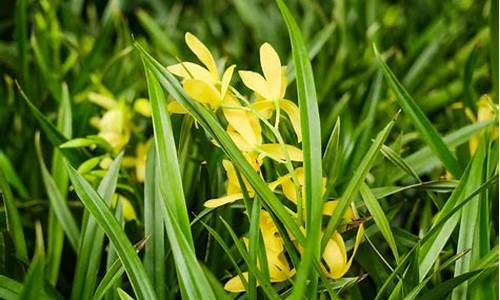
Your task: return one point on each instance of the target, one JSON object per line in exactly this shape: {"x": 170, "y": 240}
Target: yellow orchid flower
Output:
{"x": 202, "y": 83}
{"x": 143, "y": 107}
{"x": 139, "y": 161}
{"x": 255, "y": 159}
{"x": 115, "y": 125}
{"x": 245, "y": 131}
{"x": 485, "y": 112}
{"x": 278, "y": 266}
{"x": 270, "y": 88}
{"x": 233, "y": 189}
{"x": 335, "y": 263}
{"x": 128, "y": 210}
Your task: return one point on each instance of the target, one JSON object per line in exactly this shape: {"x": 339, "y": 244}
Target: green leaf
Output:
{"x": 9, "y": 288}
{"x": 12, "y": 177}
{"x": 101, "y": 212}
{"x": 113, "y": 274}
{"x": 55, "y": 233}
{"x": 420, "y": 120}
{"x": 154, "y": 257}
{"x": 123, "y": 295}
{"x": 469, "y": 220}
{"x": 431, "y": 250}
{"x": 227, "y": 251}
{"x": 57, "y": 201}
{"x": 34, "y": 281}
{"x": 55, "y": 137}
{"x": 431, "y": 233}
{"x": 311, "y": 147}
{"x": 443, "y": 289}
{"x": 356, "y": 180}
{"x": 14, "y": 225}
{"x": 90, "y": 248}
{"x": 21, "y": 36}
{"x": 189, "y": 272}
{"x": 415, "y": 292}
{"x": 424, "y": 160}
{"x": 380, "y": 218}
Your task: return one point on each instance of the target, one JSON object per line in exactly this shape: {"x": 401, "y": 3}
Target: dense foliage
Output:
{"x": 249, "y": 149}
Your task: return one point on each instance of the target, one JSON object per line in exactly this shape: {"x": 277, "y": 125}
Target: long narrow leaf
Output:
{"x": 14, "y": 225}
{"x": 355, "y": 182}
{"x": 420, "y": 120}
{"x": 101, "y": 212}
{"x": 311, "y": 147}
{"x": 57, "y": 201}
{"x": 189, "y": 272}
{"x": 90, "y": 248}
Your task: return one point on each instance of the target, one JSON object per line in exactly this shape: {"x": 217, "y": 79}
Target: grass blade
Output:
{"x": 90, "y": 248}
{"x": 379, "y": 216}
{"x": 14, "y": 225}
{"x": 311, "y": 147}
{"x": 190, "y": 274}
{"x": 154, "y": 257}
{"x": 9, "y": 288}
{"x": 420, "y": 120}
{"x": 55, "y": 137}
{"x": 34, "y": 280}
{"x": 104, "y": 217}
{"x": 57, "y": 201}
{"x": 353, "y": 186}
{"x": 12, "y": 177}
{"x": 469, "y": 220}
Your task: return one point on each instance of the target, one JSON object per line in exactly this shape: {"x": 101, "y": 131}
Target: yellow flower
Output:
{"x": 270, "y": 88}
{"x": 128, "y": 210}
{"x": 485, "y": 112}
{"x": 335, "y": 262}
{"x": 202, "y": 83}
{"x": 233, "y": 189}
{"x": 233, "y": 192}
{"x": 272, "y": 85}
{"x": 139, "y": 161}
{"x": 143, "y": 107}
{"x": 279, "y": 268}
{"x": 115, "y": 125}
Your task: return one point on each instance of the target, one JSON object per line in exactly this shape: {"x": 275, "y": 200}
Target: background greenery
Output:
{"x": 445, "y": 53}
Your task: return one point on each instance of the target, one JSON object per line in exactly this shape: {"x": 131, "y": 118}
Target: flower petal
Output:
{"x": 275, "y": 152}
{"x": 201, "y": 51}
{"x": 293, "y": 113}
{"x": 256, "y": 83}
{"x": 175, "y": 108}
{"x": 233, "y": 185}
{"x": 238, "y": 140}
{"x": 284, "y": 82}
{"x": 335, "y": 256}
{"x": 271, "y": 67}
{"x": 191, "y": 70}
{"x": 264, "y": 107}
{"x": 235, "y": 285}
{"x": 212, "y": 203}
{"x": 245, "y": 123}
{"x": 143, "y": 107}
{"x": 226, "y": 80}
{"x": 329, "y": 208}
{"x": 202, "y": 92}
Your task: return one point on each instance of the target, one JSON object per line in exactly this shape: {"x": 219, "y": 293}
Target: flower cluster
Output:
{"x": 245, "y": 119}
